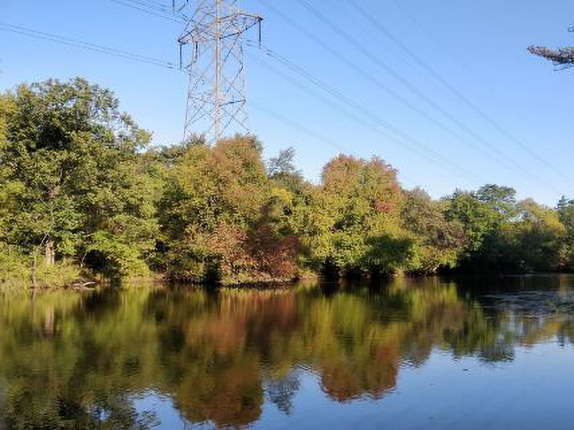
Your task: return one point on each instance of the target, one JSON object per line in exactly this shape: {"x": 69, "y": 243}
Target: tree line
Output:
{"x": 83, "y": 195}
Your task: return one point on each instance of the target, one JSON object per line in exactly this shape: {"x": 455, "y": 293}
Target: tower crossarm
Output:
{"x": 214, "y": 34}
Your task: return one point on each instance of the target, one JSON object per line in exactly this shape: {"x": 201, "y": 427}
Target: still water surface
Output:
{"x": 413, "y": 354}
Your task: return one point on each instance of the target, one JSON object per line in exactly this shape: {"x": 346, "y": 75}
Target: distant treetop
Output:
{"x": 562, "y": 57}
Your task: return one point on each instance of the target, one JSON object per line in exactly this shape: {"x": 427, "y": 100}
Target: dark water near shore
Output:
{"x": 413, "y": 354}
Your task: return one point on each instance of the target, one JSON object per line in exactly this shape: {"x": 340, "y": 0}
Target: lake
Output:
{"x": 411, "y": 354}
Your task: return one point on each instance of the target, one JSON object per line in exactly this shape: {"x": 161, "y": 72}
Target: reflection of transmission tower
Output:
{"x": 216, "y": 100}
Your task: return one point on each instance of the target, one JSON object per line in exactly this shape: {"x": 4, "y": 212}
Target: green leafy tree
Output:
{"x": 354, "y": 224}
{"x": 72, "y": 176}
{"x": 540, "y": 237}
{"x": 565, "y": 211}
{"x": 506, "y": 236}
{"x": 500, "y": 198}
{"x": 476, "y": 217}
{"x": 439, "y": 241}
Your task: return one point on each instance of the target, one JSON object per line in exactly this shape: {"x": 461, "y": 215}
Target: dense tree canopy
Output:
{"x": 72, "y": 179}
{"x": 218, "y": 215}
{"x": 439, "y": 241}
{"x": 81, "y": 194}
{"x": 361, "y": 232}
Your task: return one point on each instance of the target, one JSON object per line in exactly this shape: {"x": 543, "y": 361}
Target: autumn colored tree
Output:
{"x": 217, "y": 215}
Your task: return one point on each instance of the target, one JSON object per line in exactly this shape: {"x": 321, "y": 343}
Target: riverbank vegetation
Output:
{"x": 84, "y": 196}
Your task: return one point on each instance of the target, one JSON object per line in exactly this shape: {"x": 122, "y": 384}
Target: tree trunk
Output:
{"x": 50, "y": 252}
{"x": 33, "y": 270}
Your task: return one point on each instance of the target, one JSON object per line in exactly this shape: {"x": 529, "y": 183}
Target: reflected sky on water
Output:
{"x": 410, "y": 354}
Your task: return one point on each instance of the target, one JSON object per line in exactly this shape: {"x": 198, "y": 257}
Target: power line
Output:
{"x": 144, "y": 59}
{"x": 321, "y": 17}
{"x": 86, "y": 45}
{"x": 378, "y": 25}
{"x": 331, "y": 90}
{"x": 164, "y": 8}
{"x": 153, "y": 61}
{"x": 379, "y": 84}
{"x": 375, "y": 124}
{"x": 148, "y": 60}
{"x": 155, "y": 11}
{"x": 354, "y": 104}
{"x": 158, "y": 4}
{"x": 424, "y": 29}
{"x": 156, "y": 8}
{"x": 280, "y": 118}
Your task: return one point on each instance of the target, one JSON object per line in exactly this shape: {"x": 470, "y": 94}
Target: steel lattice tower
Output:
{"x": 216, "y": 99}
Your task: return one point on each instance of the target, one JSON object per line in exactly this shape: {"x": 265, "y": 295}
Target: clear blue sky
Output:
{"x": 478, "y": 47}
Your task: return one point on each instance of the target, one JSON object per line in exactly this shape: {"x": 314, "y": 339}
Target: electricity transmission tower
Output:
{"x": 214, "y": 35}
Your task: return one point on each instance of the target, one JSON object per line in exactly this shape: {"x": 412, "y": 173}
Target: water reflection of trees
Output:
{"x": 80, "y": 360}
